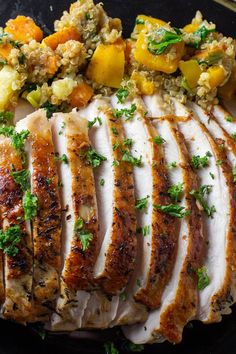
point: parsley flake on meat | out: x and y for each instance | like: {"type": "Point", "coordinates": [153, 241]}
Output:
{"type": "Point", "coordinates": [122, 93]}
{"type": "Point", "coordinates": [22, 178]}
{"type": "Point", "coordinates": [142, 203]}
{"type": "Point", "coordinates": [84, 235]}
{"type": "Point", "coordinates": [30, 205]}
{"type": "Point", "coordinates": [9, 240]}
{"type": "Point", "coordinates": [199, 196]}
{"type": "Point", "coordinates": [175, 192]}
{"type": "Point", "coordinates": [198, 161]}
{"type": "Point", "coordinates": [173, 210]}
{"type": "Point", "coordinates": [203, 278]}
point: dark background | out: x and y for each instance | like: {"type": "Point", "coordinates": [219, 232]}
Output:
{"type": "Point", "coordinates": [200, 339]}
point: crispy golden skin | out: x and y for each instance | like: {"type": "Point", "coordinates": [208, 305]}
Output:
{"type": "Point", "coordinates": [18, 269]}
{"type": "Point", "coordinates": [165, 230]}
{"type": "Point", "coordinates": [121, 253]}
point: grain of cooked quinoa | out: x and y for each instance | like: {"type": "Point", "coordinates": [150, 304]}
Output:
{"type": "Point", "coordinates": [87, 56]}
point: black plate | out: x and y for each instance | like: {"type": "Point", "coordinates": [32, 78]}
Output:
{"type": "Point", "coordinates": [200, 339]}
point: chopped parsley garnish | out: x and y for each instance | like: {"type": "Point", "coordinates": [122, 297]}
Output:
{"type": "Point", "coordinates": [50, 109]}
{"type": "Point", "coordinates": [114, 131]}
{"type": "Point", "coordinates": [199, 36]}
{"type": "Point", "coordinates": [60, 184]}
{"type": "Point", "coordinates": [128, 142]}
{"type": "Point", "coordinates": [62, 127]}
{"type": "Point", "coordinates": [219, 162]}
{"type": "Point", "coordinates": [115, 146]}
{"type": "Point", "coordinates": [135, 347]}
{"type": "Point", "coordinates": [127, 113]}
{"type": "Point", "coordinates": [142, 203]}
{"type": "Point", "coordinates": [30, 205]}
{"type": "Point", "coordinates": [139, 21]}
{"type": "Point", "coordinates": [115, 163]}
{"type": "Point", "coordinates": [94, 158]}
{"type": "Point", "coordinates": [21, 58]}
{"type": "Point", "coordinates": [175, 192]}
{"type": "Point", "coordinates": [6, 117]}
{"type": "Point", "coordinates": [88, 16]}
{"type": "Point", "coordinates": [203, 278]}
{"type": "Point", "coordinates": [198, 161]}
{"type": "Point", "coordinates": [167, 38]}
{"type": "Point", "coordinates": [172, 165]}
{"type": "Point", "coordinates": [9, 240]}
{"type": "Point", "coordinates": [84, 235]}
{"type": "Point", "coordinates": [158, 140]}
{"type": "Point", "coordinates": [173, 210]}
{"type": "Point", "coordinates": [102, 182]}
{"type": "Point", "coordinates": [49, 181]}
{"type": "Point", "coordinates": [18, 139]}
{"type": "Point", "coordinates": [110, 348]}
{"type": "Point", "coordinates": [127, 157]}
{"type": "Point", "coordinates": [145, 230]}
{"type": "Point", "coordinates": [92, 122]}
{"type": "Point", "coordinates": [138, 282]}
{"type": "Point", "coordinates": [233, 136]}
{"type": "Point", "coordinates": [22, 178]}
{"type": "Point", "coordinates": [229, 119]}
{"type": "Point", "coordinates": [234, 173]}
{"type": "Point", "coordinates": [122, 93]}
{"type": "Point", "coordinates": [63, 158]}
{"type": "Point", "coordinates": [212, 175]}
{"type": "Point", "coordinates": [199, 196]}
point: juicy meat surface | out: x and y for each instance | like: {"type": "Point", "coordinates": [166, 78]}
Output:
{"type": "Point", "coordinates": [47, 223]}
{"type": "Point", "coordinates": [18, 267]}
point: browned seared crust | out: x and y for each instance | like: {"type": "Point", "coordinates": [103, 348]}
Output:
{"type": "Point", "coordinates": [79, 264]}
{"type": "Point", "coordinates": [225, 297]}
{"type": "Point", "coordinates": [184, 308]}
{"type": "Point", "coordinates": [18, 269]}
{"type": "Point", "coordinates": [165, 230]}
{"type": "Point", "coordinates": [120, 255]}
{"type": "Point", "coordinates": [47, 223]}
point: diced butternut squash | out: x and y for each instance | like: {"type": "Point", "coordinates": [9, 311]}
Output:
{"type": "Point", "coordinates": [52, 64]}
{"type": "Point", "coordinates": [61, 37]}
{"type": "Point", "coordinates": [190, 28]}
{"type": "Point", "coordinates": [145, 86]}
{"type": "Point", "coordinates": [107, 65]}
{"type": "Point", "coordinates": [5, 50]}
{"type": "Point", "coordinates": [142, 21]}
{"type": "Point", "coordinates": [216, 75]}
{"type": "Point", "coordinates": [81, 95]}
{"type": "Point", "coordinates": [207, 54]}
{"type": "Point", "coordinates": [8, 79]}
{"type": "Point", "coordinates": [228, 91]}
{"type": "Point", "coordinates": [162, 62]}
{"type": "Point", "coordinates": [191, 71]}
{"type": "Point", "coordinates": [23, 29]}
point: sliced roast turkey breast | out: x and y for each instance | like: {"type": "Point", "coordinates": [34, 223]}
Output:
{"type": "Point", "coordinates": [179, 299]}
{"type": "Point", "coordinates": [18, 260]}
{"type": "Point", "coordinates": [157, 253]}
{"type": "Point", "coordinates": [80, 220]}
{"type": "Point", "coordinates": [47, 221]}
{"type": "Point", "coordinates": [217, 296]}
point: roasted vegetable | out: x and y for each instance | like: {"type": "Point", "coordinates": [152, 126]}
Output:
{"type": "Point", "coordinates": [227, 91]}
{"type": "Point", "coordinates": [63, 88]}
{"type": "Point", "coordinates": [23, 29]}
{"type": "Point", "coordinates": [8, 78]}
{"type": "Point", "coordinates": [145, 86]}
{"type": "Point", "coordinates": [60, 37]}
{"type": "Point", "coordinates": [216, 75]}
{"type": "Point", "coordinates": [81, 95]}
{"type": "Point", "coordinates": [107, 64]}
{"type": "Point", "coordinates": [5, 50]}
{"type": "Point", "coordinates": [142, 22]}
{"type": "Point", "coordinates": [191, 71]}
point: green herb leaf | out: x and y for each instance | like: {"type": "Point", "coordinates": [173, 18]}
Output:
{"type": "Point", "coordinates": [127, 157]}
{"type": "Point", "coordinates": [135, 347]}
{"type": "Point", "coordinates": [63, 158]}
{"type": "Point", "coordinates": [212, 59]}
{"type": "Point", "coordinates": [145, 230]}
{"type": "Point", "coordinates": [94, 158]}
{"type": "Point", "coordinates": [102, 182]}
{"type": "Point", "coordinates": [234, 173]}
{"type": "Point", "coordinates": [142, 203]}
{"type": "Point", "coordinates": [128, 142]}
{"type": "Point", "coordinates": [212, 175]}
{"type": "Point", "coordinates": [6, 118]}
{"type": "Point", "coordinates": [22, 178]}
{"type": "Point", "coordinates": [110, 348]}
{"type": "Point", "coordinates": [175, 192]}
{"type": "Point", "coordinates": [229, 119]}
{"type": "Point", "coordinates": [123, 296]}
{"type": "Point", "coordinates": [198, 161]}
{"type": "Point", "coordinates": [172, 165]}
{"type": "Point", "coordinates": [234, 136]}
{"type": "Point", "coordinates": [219, 162]}
{"type": "Point", "coordinates": [62, 127]}
{"type": "Point", "coordinates": [127, 113]}
{"type": "Point", "coordinates": [203, 278]}
{"type": "Point", "coordinates": [50, 109]}
{"type": "Point", "coordinates": [122, 93]}
{"type": "Point", "coordinates": [139, 21]}
{"type": "Point", "coordinates": [167, 38]}
{"type": "Point", "coordinates": [30, 205]}
{"type": "Point", "coordinates": [10, 239]}
{"type": "Point", "coordinates": [173, 210]}
{"type": "Point", "coordinates": [199, 36]}
{"type": "Point", "coordinates": [115, 146]}
{"type": "Point", "coordinates": [92, 122]}
{"type": "Point", "coordinates": [114, 131]}
{"type": "Point", "coordinates": [84, 235]}
{"type": "Point", "coordinates": [199, 196]}
{"type": "Point", "coordinates": [18, 139]}
{"type": "Point", "coordinates": [158, 140]}
{"type": "Point", "coordinates": [115, 163]}
{"type": "Point", "coordinates": [138, 282]}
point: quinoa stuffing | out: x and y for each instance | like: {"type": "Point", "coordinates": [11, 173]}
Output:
{"type": "Point", "coordinates": [87, 56]}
